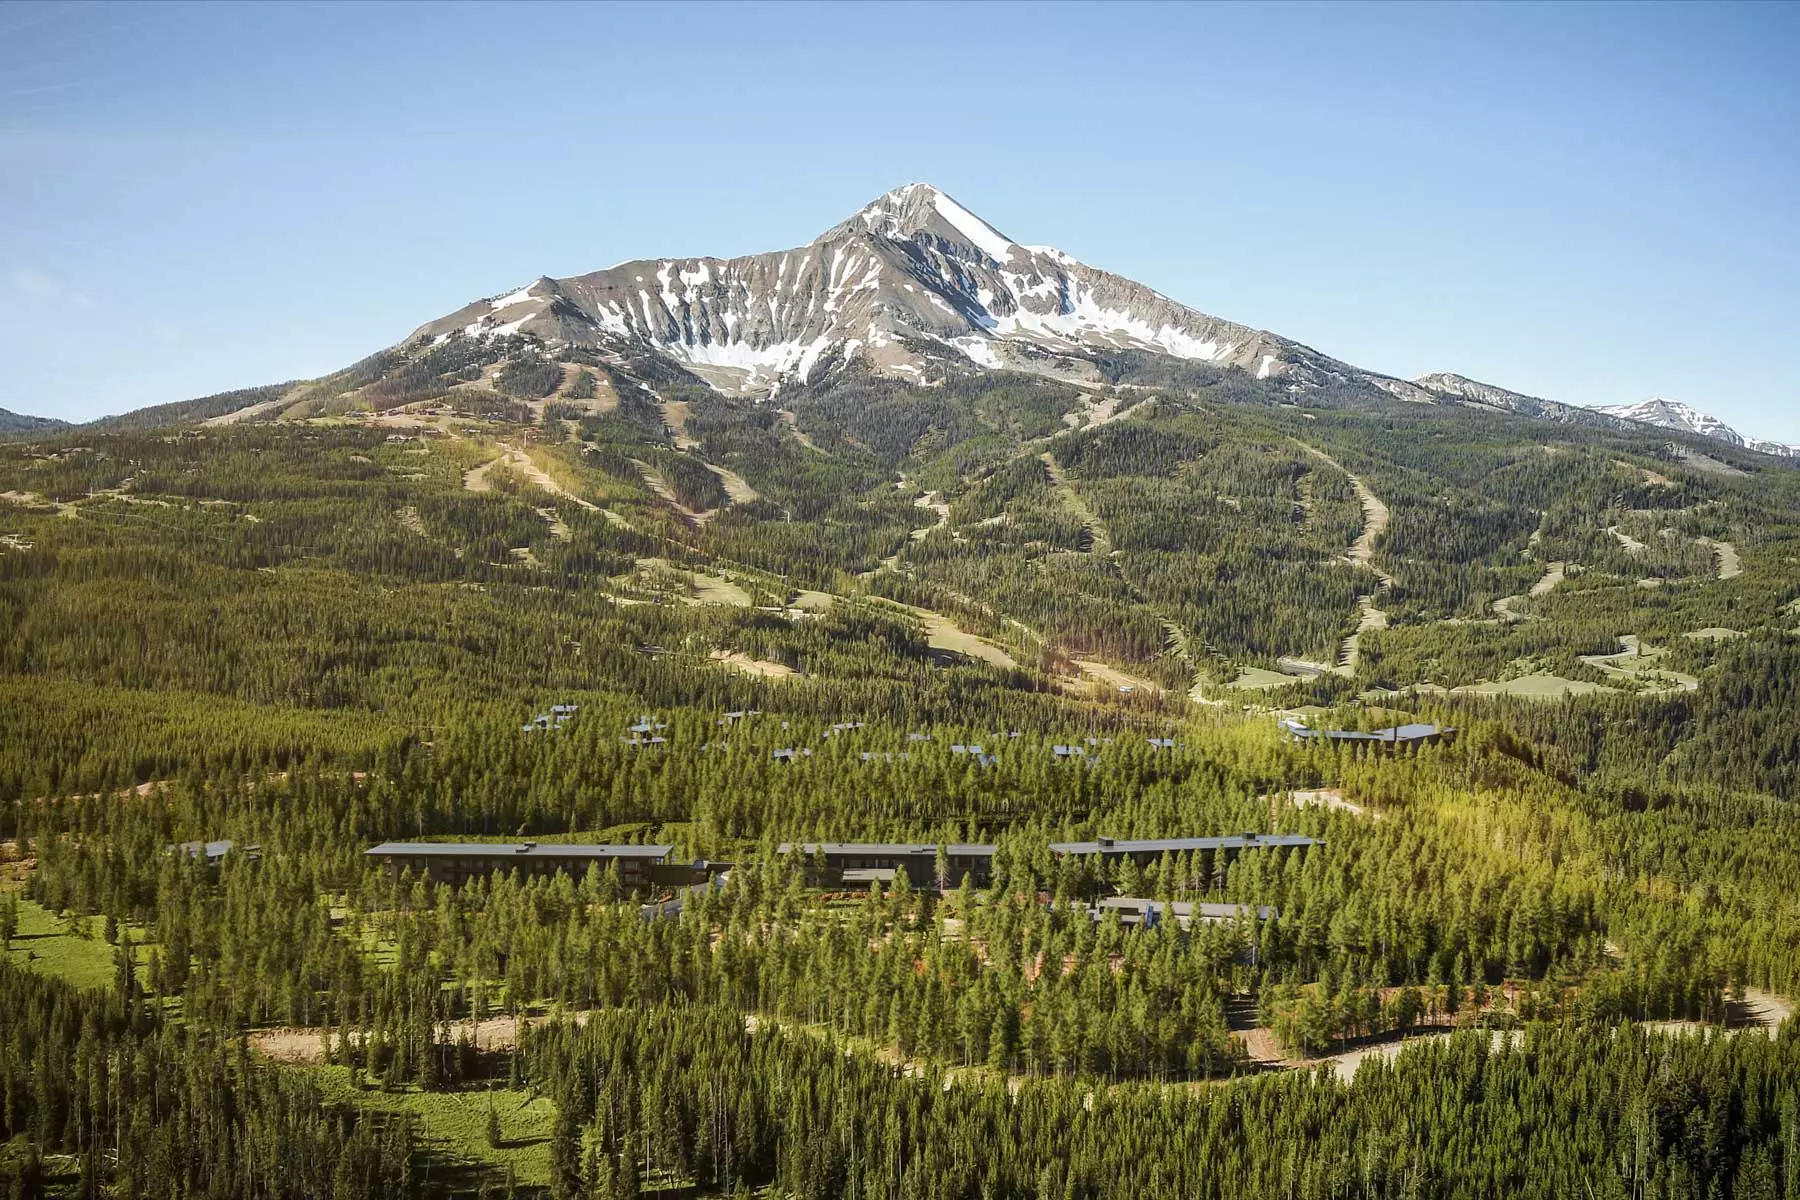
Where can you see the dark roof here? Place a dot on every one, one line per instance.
(889, 849)
(1413, 732)
(511, 850)
(1234, 841)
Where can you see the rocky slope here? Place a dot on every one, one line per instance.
(1473, 391)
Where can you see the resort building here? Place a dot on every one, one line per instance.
(859, 864)
(1399, 737)
(1207, 856)
(640, 867)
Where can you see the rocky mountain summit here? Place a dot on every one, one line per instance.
(1683, 418)
(910, 283)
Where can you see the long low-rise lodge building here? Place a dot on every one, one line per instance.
(829, 864)
(858, 864)
(1208, 855)
(639, 867)
(1398, 737)
(1145, 851)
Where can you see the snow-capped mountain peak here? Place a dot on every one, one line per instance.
(918, 208)
(1684, 418)
(912, 285)
(1673, 414)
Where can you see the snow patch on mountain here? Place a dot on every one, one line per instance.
(983, 235)
(980, 351)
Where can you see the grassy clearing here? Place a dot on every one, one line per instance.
(697, 587)
(759, 667)
(454, 1124)
(1076, 506)
(1114, 678)
(1259, 679)
(1730, 565)
(941, 633)
(715, 589)
(50, 944)
(1531, 687)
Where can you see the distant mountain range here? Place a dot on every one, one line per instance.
(915, 287)
(1664, 414)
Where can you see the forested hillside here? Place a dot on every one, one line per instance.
(332, 622)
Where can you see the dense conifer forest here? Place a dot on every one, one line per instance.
(1549, 941)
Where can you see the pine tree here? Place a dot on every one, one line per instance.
(493, 1123)
(566, 1182)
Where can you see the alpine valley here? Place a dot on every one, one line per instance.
(1016, 736)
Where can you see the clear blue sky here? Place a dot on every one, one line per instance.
(1592, 204)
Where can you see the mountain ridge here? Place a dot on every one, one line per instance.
(12, 423)
(1657, 411)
